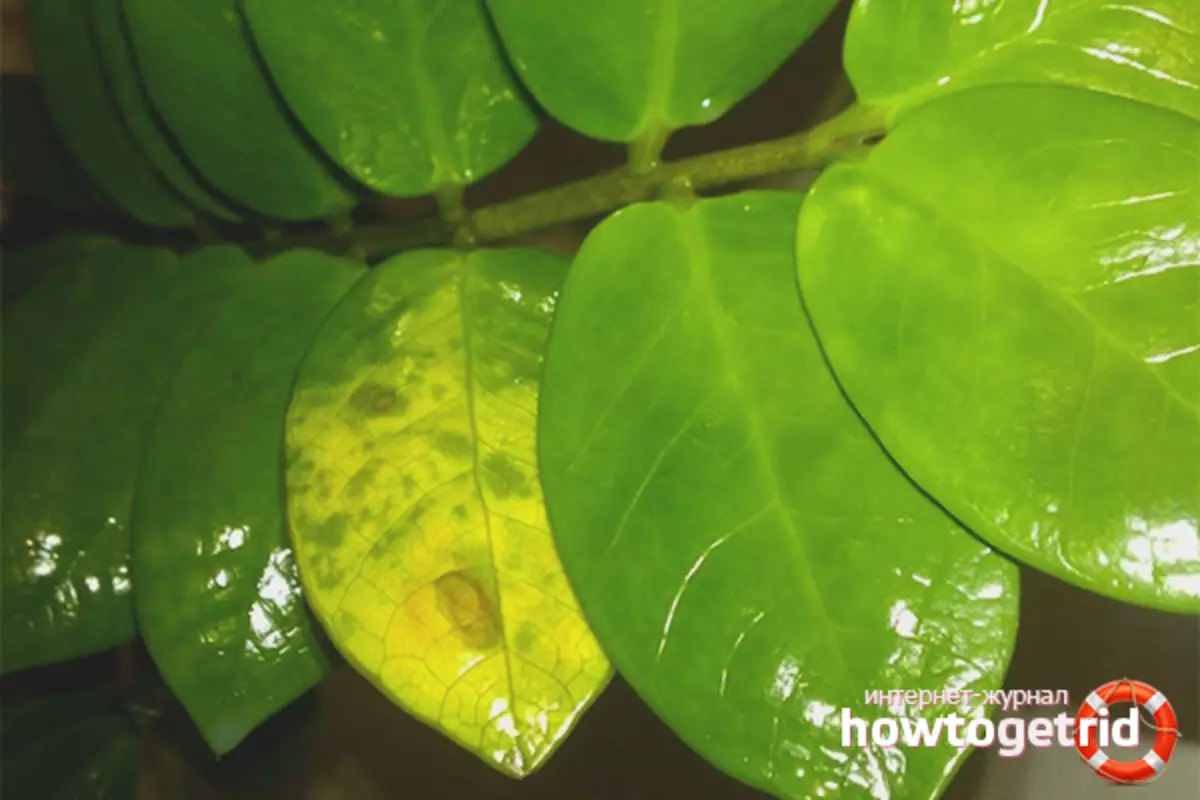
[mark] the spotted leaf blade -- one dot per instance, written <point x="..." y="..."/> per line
<point x="415" y="506"/>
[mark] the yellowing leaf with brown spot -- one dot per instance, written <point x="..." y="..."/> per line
<point x="416" y="509"/>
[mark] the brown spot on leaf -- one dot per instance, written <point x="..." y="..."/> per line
<point x="526" y="639"/>
<point x="375" y="398"/>
<point x="453" y="444"/>
<point x="362" y="479"/>
<point x="330" y="533"/>
<point x="503" y="478"/>
<point x="326" y="574"/>
<point x="465" y="603"/>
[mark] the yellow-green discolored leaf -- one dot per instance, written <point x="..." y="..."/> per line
<point x="415" y="506"/>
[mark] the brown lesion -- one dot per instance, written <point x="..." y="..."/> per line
<point x="375" y="398"/>
<point x="503" y="477"/>
<point x="463" y="600"/>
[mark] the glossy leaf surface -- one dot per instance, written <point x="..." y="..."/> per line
<point x="624" y="70"/>
<point x="218" y="598"/>
<point x="129" y="95"/>
<point x="200" y="68"/>
<point x="432" y="106"/>
<point x="749" y="556"/>
<point x="1008" y="290"/>
<point x="52" y="325"/>
<point x="69" y="481"/>
<point x="69" y="69"/>
<point x="899" y="53"/>
<point x="415" y="507"/>
<point x="67" y="747"/>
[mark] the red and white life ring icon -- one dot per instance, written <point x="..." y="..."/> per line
<point x="1165" y="723"/>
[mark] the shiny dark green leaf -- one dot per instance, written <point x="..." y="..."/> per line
<point x="432" y="105"/>
<point x="69" y="479"/>
<point x="34" y="161"/>
<point x="86" y="756"/>
<point x="113" y="48"/>
<point x="204" y="78"/>
<point x="218" y="598"/>
<point x="899" y="53"/>
<point x="1009" y="291"/>
<point x="52" y="325"/>
<point x="628" y="70"/>
<point x="415" y="508"/>
<point x="69" y="69"/>
<point x="747" y="554"/>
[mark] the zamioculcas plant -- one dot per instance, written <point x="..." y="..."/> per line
<point x="770" y="455"/>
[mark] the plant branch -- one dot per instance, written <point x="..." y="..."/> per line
<point x="843" y="137"/>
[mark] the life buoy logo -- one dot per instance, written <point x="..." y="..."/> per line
<point x="1091" y="729"/>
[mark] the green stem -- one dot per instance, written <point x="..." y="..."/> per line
<point x="842" y="138"/>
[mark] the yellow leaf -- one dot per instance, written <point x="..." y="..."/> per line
<point x="416" y="509"/>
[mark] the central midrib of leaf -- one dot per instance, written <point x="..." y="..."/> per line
<point x="464" y="304"/>
<point x="427" y="95"/>
<point x="698" y="249"/>
<point x="994" y="248"/>
<point x="666" y="40"/>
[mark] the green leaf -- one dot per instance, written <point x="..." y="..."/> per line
<point x="748" y="555"/>
<point x="69" y="480"/>
<point x="203" y="77"/>
<point x="415" y="508"/>
<point x="901" y="52"/>
<point x="67" y="747"/>
<point x="113" y="49"/>
<point x="218" y="598"/>
<point x="33" y="159"/>
<point x="69" y="70"/>
<point x="629" y="70"/>
<point x="432" y="106"/>
<point x="86" y="279"/>
<point x="1008" y="290"/>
